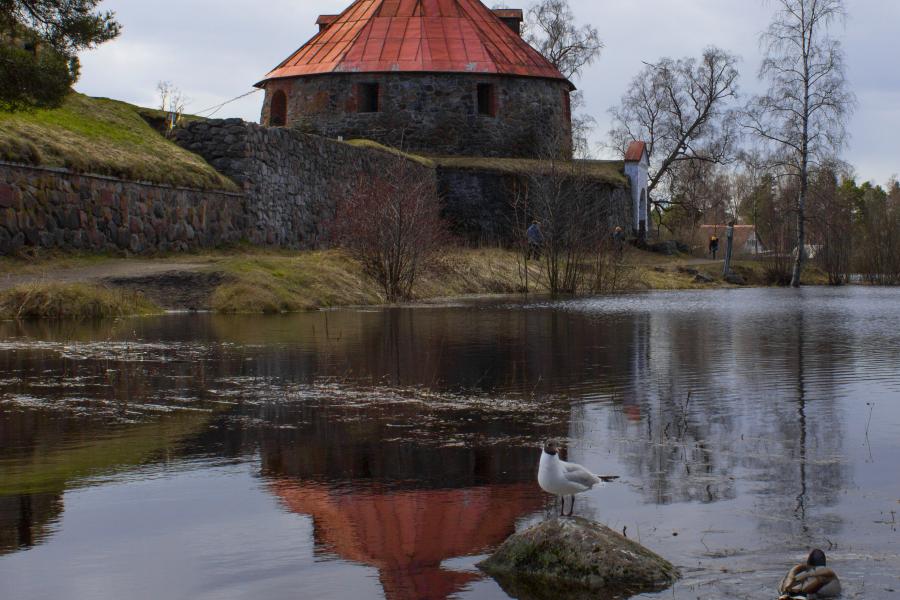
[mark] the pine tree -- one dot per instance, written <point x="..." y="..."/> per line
<point x="39" y="45"/>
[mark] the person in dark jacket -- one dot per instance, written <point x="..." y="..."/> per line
<point x="535" y="240"/>
<point x="714" y="246"/>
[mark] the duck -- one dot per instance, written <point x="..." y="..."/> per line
<point x="561" y="478"/>
<point x="811" y="580"/>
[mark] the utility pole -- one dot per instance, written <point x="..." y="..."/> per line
<point x="729" y="248"/>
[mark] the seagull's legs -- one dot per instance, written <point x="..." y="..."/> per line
<point x="572" y="506"/>
<point x="562" y="506"/>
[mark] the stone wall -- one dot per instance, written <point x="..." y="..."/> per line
<point x="481" y="204"/>
<point x="290" y="179"/>
<point x="54" y="208"/>
<point x="434" y="114"/>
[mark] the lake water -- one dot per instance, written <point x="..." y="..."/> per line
<point x="382" y="453"/>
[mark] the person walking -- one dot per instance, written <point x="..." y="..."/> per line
<point x="619" y="241"/>
<point x="714" y="246"/>
<point x="535" y="240"/>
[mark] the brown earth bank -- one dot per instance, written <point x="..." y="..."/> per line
<point x="250" y="280"/>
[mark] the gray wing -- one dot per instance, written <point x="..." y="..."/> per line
<point x="580" y="475"/>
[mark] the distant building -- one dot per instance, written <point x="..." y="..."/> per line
<point x="450" y="78"/>
<point x="746" y="239"/>
<point x="637" y="169"/>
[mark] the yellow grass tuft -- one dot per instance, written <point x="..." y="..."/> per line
<point x="75" y="301"/>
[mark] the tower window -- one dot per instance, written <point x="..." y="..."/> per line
<point x="278" y="110"/>
<point x="487" y="100"/>
<point x="367" y="97"/>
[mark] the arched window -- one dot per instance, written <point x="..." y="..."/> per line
<point x="278" y="110"/>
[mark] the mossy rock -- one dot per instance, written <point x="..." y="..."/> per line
<point x="574" y="558"/>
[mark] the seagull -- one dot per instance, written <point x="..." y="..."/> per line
<point x="563" y="479"/>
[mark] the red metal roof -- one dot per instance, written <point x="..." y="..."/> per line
<point x="444" y="36"/>
<point x="635" y="151"/>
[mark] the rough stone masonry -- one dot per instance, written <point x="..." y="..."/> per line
<point x="55" y="208"/>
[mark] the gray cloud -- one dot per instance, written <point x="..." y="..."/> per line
<point x="216" y="50"/>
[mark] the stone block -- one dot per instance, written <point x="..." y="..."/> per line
<point x="5" y="242"/>
<point x="7" y="196"/>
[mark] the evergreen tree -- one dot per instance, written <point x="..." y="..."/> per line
<point x="39" y="45"/>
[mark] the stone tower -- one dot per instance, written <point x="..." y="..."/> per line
<point x="438" y="77"/>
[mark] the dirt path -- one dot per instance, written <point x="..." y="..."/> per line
<point x="181" y="284"/>
<point x="118" y="268"/>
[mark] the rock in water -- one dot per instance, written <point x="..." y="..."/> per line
<point x="576" y="558"/>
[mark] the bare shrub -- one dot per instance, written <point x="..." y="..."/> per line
<point x="610" y="273"/>
<point x="577" y="254"/>
<point x="390" y="222"/>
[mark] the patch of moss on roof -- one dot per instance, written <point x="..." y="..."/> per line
<point x="372" y="145"/>
<point x="103" y="137"/>
<point x="609" y="171"/>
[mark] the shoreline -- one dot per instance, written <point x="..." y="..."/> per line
<point x="258" y="281"/>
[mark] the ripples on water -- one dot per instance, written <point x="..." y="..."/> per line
<point x="377" y="453"/>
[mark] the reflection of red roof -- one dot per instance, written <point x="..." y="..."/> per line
<point x="446" y="36"/>
<point x="408" y="535"/>
<point x="635" y="151"/>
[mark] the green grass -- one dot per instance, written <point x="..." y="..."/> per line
<point x="71" y="301"/>
<point x="103" y="137"/>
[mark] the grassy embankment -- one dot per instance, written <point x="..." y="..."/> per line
<point x="103" y="137"/>
<point x="290" y="282"/>
<point x="74" y="300"/>
<point x="259" y="281"/>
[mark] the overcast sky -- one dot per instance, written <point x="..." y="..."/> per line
<point x="215" y="50"/>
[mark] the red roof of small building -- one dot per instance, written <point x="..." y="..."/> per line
<point x="635" y="152"/>
<point x="443" y="36"/>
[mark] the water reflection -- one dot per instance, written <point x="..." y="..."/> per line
<point x="26" y="519"/>
<point x="407" y="535"/>
<point x="408" y="437"/>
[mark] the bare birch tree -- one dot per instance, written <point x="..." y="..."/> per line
<point x="681" y="109"/>
<point x="551" y="29"/>
<point x="172" y="101"/>
<point x="802" y="116"/>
